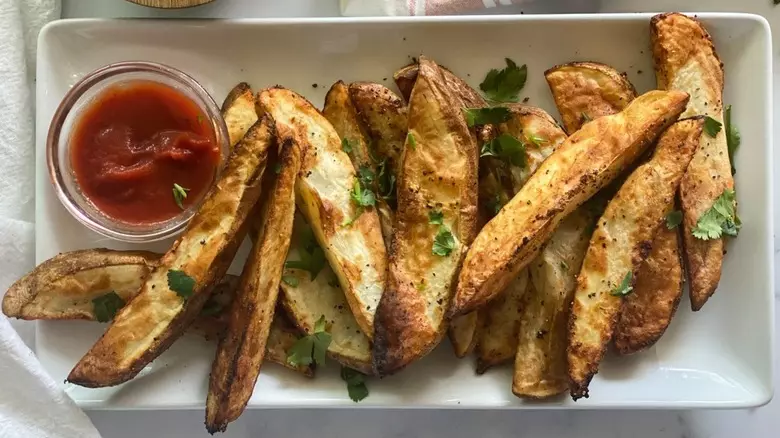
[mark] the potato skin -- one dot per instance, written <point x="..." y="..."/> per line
<point x="685" y="59"/>
<point x="586" y="162"/>
<point x="157" y="316"/>
<point x="588" y="90"/>
<point x="410" y="320"/>
<point x="406" y="77"/>
<point x="621" y="242"/>
<point x="239" y="113"/>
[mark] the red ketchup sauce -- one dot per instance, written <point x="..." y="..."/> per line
<point x="133" y="143"/>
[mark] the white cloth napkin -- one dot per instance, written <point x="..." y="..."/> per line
<point x="418" y="7"/>
<point x="32" y="405"/>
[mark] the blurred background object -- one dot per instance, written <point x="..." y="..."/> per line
<point x="170" y="4"/>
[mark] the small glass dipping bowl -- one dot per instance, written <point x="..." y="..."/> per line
<point x="68" y="114"/>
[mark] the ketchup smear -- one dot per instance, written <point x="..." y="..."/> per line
<point x="134" y="142"/>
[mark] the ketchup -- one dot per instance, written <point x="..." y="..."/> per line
<point x="133" y="143"/>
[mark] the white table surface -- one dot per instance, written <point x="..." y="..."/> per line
<point x="761" y="422"/>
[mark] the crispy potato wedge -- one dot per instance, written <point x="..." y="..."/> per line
<point x="384" y="115"/>
<point x="407" y="76"/>
<point x="351" y="237"/>
<point x="158" y="315"/>
<point x="341" y="113"/>
<point x="621" y="242"/>
<point x="588" y="90"/>
<point x="239" y="113"/>
<point x="649" y="309"/>
<point x="410" y="320"/>
<point x="685" y="59"/>
<point x="463" y="333"/>
<point x="241" y="350"/>
<point x="540" y="361"/>
<point x="587" y="161"/>
<point x="312" y="298"/>
<point x="497" y="338"/>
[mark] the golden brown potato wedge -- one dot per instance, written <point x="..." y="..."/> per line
<point x="540" y="362"/>
<point x="685" y="59"/>
<point x="158" y="315"/>
<point x="341" y="113"/>
<point x="306" y="299"/>
<point x="241" y="350"/>
<point x="621" y="242"/>
<point x="410" y="320"/>
<point x="407" y="76"/>
<point x="239" y="113"/>
<point x="497" y="338"/>
<point x="588" y="90"/>
<point x="349" y="234"/>
<point x="587" y="161"/>
<point x="463" y="333"/>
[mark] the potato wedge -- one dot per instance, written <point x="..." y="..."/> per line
<point x="239" y="113"/>
<point x="351" y="237"/>
<point x="497" y="338"/>
<point x="410" y="320"/>
<point x="588" y="90"/>
<point x="621" y="242"/>
<point x="241" y="350"/>
<point x="306" y="299"/>
<point x="341" y="113"/>
<point x="583" y="164"/>
<point x="685" y="59"/>
<point x="463" y="333"/>
<point x="158" y="315"/>
<point x="407" y="76"/>
<point x="540" y="361"/>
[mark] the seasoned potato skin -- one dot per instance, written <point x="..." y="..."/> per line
<point x="410" y="320"/>
<point x="157" y="316"/>
<point x="239" y="113"/>
<point x="685" y="59"/>
<point x="356" y="249"/>
<point x="406" y="77"/>
<point x="241" y="350"/>
<point x="588" y="90"/>
<point x="587" y="161"/>
<point x="621" y="242"/>
<point x="463" y="333"/>
<point x="540" y="362"/>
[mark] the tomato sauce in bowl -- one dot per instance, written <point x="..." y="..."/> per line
<point x="133" y="143"/>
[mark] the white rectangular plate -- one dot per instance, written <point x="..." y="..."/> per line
<point x="718" y="357"/>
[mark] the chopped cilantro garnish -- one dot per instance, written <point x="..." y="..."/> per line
<point x="435" y="217"/>
<point x="674" y="219"/>
<point x="711" y="126"/>
<point x="311" y="348"/>
<point x="179" y="195"/>
<point x="181" y="283"/>
<point x="625" y="287"/>
<point x="443" y="243"/>
<point x="720" y="219"/>
<point x="733" y="138"/>
<point x="485" y="116"/>
<point x="507" y="147"/>
<point x="504" y="85"/>
<point x="106" y="306"/>
<point x="356" y="384"/>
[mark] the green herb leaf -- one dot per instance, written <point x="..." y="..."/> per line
<point x="625" y="286"/>
<point x="733" y="139"/>
<point x="507" y="147"/>
<point x="386" y="181"/>
<point x="346" y="145"/>
<point x="712" y="126"/>
<point x="211" y="308"/>
<point x="486" y="116"/>
<point x="584" y="118"/>
<point x="674" y="219"/>
<point x="443" y="243"/>
<point x="312" y="259"/>
<point x="106" y="306"/>
<point x="277" y="168"/>
<point x="720" y="219"/>
<point x="505" y="84"/>
<point x="290" y="280"/>
<point x="356" y="384"/>
<point x="179" y="195"/>
<point x="495" y="204"/>
<point x="181" y="283"/>
<point x="411" y="141"/>
<point x="311" y="348"/>
<point x="366" y="176"/>
<point x="435" y="217"/>
<point x="362" y="197"/>
<point x="538" y="141"/>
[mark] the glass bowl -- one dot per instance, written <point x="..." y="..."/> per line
<point x="78" y="98"/>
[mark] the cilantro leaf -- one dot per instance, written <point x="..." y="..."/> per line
<point x="346" y="145"/>
<point x="720" y="219"/>
<point x="356" y="384"/>
<point x="712" y="126"/>
<point x="181" y="283"/>
<point x="733" y="139"/>
<point x="311" y="348"/>
<point x="535" y="139"/>
<point x="504" y="85"/>
<point x="385" y="181"/>
<point x="106" y="306"/>
<point x="625" y="287"/>
<point x="674" y="219"/>
<point x="443" y="243"/>
<point x="179" y="195"/>
<point x="312" y="258"/>
<point x="277" y="168"/>
<point x="412" y="141"/>
<point x="486" y="116"/>
<point x="290" y="280"/>
<point x="506" y="147"/>
<point x="363" y="197"/>
<point x="366" y="176"/>
<point x="435" y="217"/>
